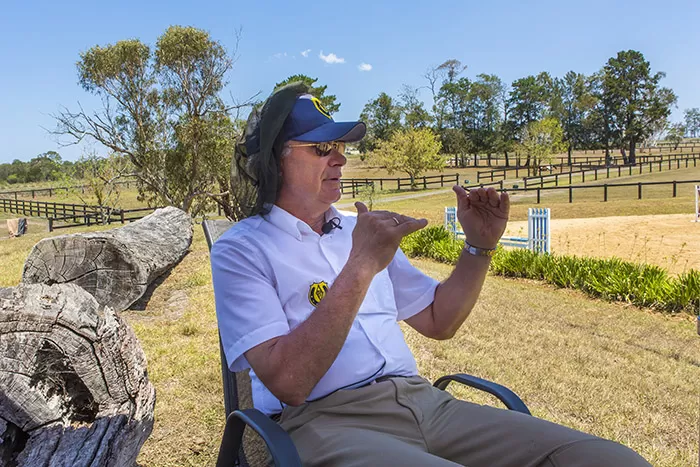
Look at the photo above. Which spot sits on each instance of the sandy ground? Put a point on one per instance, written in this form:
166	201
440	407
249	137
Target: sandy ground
671	241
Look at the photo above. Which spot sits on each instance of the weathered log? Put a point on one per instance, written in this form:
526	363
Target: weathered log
73	384
115	266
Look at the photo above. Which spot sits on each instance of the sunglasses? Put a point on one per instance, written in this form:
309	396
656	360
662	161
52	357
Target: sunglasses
323	149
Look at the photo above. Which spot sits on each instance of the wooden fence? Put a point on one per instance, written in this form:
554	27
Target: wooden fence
105	216
605	188
50	192
72	214
589	163
355	185
541	180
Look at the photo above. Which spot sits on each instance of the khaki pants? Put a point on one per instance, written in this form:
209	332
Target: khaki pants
408	422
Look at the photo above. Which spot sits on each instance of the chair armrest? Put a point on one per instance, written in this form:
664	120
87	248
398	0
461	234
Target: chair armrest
278	442
505	395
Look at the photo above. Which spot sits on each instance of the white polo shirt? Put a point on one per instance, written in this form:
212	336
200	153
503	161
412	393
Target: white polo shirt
269	273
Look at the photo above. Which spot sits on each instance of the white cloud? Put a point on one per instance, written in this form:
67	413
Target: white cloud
279	55
364	67
305	53
331	58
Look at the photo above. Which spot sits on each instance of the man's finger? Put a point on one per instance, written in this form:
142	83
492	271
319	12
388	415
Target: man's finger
474	196
411	226
461	192
361	208
505	203
493	197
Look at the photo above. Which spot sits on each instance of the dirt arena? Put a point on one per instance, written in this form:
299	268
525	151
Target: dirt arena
670	241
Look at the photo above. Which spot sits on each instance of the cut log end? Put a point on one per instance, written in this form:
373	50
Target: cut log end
115	266
73	383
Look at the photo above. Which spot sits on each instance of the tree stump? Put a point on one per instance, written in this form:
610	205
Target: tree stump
115	266
73	384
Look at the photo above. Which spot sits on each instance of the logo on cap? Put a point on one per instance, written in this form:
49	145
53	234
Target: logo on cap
320	107
317	291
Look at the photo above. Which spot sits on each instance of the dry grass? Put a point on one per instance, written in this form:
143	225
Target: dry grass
611	370
665	240
615	371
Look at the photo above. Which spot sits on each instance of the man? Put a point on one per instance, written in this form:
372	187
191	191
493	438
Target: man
310	297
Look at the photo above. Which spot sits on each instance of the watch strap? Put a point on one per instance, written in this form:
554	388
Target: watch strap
476	251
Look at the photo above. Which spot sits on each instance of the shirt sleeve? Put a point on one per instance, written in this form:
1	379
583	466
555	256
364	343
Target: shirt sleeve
413	290
247	305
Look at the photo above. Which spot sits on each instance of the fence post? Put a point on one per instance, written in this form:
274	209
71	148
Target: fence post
398	184
674	188
381	184
571	194
639	190
425	187
583	177
33	195
442	181
570	178
605	192
538	196
50	224
457	175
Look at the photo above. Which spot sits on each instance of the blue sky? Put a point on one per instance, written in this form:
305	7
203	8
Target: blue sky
40	42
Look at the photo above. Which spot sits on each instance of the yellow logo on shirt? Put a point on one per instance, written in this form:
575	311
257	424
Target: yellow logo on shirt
317	291
320	107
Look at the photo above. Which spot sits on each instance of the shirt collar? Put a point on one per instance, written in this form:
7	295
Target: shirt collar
293	226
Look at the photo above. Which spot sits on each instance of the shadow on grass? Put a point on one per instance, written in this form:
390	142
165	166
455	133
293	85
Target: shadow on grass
142	303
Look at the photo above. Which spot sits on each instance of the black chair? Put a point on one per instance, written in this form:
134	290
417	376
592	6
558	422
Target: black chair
243	448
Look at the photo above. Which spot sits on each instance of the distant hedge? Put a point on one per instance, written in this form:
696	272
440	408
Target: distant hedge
642	285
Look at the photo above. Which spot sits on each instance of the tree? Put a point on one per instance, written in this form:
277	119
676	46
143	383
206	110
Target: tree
328	101
692	122
412	150
444	74
675	134
570	104
600	123
637	103
100	175
163	111
383	118
455	143
483	113
529	99
541	140
414	113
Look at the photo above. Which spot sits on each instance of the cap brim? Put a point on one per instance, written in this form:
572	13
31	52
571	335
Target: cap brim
349	132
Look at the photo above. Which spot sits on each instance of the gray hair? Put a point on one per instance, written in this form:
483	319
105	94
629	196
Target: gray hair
256	168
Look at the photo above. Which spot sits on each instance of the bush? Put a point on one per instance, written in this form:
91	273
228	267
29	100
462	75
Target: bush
434	243
610	279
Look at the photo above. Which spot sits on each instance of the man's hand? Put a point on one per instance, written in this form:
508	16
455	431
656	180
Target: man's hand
483	214
377	236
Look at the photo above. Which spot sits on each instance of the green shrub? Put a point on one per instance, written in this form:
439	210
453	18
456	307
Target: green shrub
609	279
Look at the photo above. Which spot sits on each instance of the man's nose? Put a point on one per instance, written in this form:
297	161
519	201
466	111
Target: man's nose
337	158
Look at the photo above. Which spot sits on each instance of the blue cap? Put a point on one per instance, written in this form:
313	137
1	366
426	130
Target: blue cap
309	121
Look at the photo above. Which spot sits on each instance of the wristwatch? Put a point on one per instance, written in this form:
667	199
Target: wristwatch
476	251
